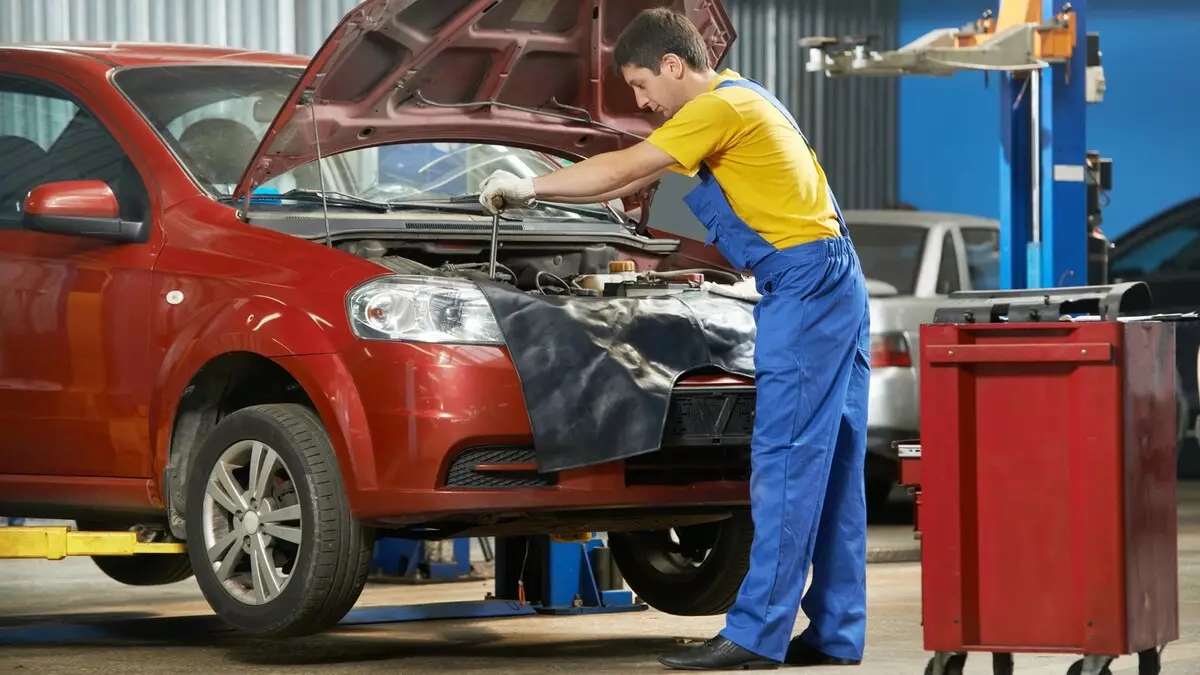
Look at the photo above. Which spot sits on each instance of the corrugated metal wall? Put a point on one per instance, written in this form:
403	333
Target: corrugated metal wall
294	26
851	122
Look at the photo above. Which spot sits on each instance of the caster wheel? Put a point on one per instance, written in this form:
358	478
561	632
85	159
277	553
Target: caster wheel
955	665
1077	669
1149	662
1002	664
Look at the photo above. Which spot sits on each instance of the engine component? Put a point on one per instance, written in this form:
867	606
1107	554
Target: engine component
564	265
402	265
365	248
644	289
627	269
597	282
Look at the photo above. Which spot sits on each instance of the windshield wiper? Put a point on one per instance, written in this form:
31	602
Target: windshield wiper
316	197
341	199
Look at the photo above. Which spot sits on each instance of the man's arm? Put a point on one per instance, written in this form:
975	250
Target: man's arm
615	194
610	172
701	128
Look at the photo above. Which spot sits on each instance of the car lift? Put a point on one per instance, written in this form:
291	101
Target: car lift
415	561
1046	215
56	543
534	575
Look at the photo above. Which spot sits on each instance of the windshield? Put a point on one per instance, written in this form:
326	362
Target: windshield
891	253
214	116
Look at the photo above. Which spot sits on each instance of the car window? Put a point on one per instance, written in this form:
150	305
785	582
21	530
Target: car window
47	136
949	279
1173	250
891	253
982	247
214	117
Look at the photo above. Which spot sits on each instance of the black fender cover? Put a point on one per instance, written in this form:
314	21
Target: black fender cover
597	373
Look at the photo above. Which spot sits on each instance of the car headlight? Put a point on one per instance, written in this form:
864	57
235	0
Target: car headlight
423	309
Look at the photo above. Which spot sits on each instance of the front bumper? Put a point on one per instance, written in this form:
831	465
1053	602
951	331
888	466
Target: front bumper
429	432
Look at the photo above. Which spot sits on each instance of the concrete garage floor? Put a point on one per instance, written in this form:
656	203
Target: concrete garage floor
65	617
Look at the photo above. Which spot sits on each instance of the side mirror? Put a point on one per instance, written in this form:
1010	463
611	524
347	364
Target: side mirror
80	208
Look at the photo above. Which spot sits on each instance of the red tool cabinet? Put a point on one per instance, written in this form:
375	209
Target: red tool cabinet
1045	478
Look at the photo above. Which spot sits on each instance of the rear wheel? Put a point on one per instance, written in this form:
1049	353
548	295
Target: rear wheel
274	546
694	570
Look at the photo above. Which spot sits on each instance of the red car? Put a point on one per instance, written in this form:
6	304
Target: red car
247	301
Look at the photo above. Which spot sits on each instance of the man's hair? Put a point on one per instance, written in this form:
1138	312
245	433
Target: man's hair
653	34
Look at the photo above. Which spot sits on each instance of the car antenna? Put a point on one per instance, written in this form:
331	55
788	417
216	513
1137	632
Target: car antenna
307	98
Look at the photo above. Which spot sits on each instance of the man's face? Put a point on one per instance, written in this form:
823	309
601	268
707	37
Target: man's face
662	93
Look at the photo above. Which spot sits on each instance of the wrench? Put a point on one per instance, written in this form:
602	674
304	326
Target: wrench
498	203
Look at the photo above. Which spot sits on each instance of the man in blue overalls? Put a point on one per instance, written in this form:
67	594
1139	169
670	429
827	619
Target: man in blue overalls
768	208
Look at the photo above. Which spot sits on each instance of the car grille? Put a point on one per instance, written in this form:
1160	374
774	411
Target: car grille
710	417
497	468
707	438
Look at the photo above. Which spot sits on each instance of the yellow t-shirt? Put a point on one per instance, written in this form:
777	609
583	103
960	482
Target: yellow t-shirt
769	175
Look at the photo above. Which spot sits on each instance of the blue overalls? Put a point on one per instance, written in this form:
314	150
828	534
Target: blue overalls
812	368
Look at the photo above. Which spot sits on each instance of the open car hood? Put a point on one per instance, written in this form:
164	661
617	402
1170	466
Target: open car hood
532	73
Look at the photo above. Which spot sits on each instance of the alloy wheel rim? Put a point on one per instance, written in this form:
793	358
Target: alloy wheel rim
252	522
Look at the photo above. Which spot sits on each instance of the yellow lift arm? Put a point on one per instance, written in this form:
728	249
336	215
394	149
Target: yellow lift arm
56	543
1018	40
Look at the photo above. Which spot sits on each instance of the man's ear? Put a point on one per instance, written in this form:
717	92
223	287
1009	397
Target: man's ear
672	65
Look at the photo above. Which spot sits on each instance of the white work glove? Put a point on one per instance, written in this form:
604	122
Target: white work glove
517	192
742	290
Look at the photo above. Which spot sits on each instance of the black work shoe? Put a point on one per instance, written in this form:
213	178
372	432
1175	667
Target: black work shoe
716	654
799	653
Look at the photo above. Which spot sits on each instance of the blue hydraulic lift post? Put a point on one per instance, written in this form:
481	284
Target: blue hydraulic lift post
1050	250
1064	164
1016	179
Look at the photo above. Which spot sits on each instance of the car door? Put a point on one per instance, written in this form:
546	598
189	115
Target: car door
74	311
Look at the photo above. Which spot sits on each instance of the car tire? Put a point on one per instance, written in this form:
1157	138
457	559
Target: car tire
296	518
660	572
149	569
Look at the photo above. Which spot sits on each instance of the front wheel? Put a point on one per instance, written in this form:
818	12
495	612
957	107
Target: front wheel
694	570
274	547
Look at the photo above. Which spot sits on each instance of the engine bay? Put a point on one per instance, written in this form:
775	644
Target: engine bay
593	270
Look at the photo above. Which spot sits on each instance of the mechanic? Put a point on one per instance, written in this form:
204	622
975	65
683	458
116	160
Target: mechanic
766	204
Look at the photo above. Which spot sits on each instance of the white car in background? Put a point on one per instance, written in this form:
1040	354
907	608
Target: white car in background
912	260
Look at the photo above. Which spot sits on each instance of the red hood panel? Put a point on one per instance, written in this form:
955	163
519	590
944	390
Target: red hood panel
390	68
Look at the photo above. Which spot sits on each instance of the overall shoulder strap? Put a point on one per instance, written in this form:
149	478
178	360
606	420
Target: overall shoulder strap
757	88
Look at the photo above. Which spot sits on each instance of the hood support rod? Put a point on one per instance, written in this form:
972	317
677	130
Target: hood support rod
307	99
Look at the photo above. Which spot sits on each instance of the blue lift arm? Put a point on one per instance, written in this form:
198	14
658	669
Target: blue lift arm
1046	82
